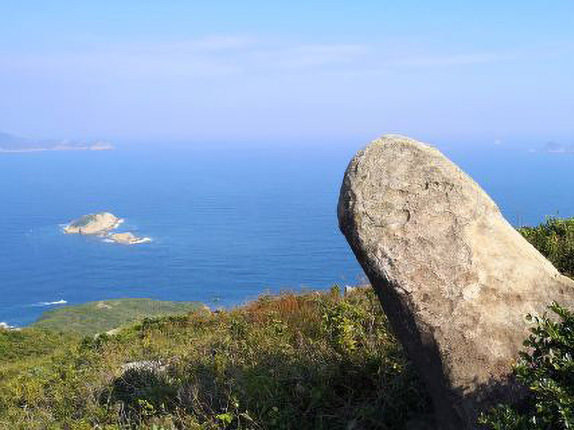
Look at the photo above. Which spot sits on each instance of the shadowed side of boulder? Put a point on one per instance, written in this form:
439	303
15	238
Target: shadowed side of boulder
454	278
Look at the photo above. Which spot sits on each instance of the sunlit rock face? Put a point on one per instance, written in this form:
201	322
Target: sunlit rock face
454	277
100	223
128	238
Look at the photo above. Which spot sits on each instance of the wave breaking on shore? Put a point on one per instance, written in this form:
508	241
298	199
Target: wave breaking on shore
57	302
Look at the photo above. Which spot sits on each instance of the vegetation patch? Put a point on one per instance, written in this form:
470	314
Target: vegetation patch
101	316
18	345
546	368
311	361
555	240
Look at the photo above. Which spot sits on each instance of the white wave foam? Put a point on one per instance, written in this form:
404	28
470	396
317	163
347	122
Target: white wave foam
140	240
6	326
143	240
57	302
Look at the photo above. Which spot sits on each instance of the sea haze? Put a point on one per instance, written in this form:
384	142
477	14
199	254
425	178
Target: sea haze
227	224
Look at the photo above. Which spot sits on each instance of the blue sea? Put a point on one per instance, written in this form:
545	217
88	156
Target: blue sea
227	223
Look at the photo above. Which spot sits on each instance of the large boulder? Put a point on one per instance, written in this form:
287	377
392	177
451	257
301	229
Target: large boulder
454	277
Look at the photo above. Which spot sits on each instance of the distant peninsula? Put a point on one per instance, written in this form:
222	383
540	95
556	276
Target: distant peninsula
104	315
11	143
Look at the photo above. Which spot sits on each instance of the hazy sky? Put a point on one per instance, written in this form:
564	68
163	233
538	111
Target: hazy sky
299	70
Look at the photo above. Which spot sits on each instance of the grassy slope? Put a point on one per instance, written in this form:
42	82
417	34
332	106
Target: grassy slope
19	345
312	361
102	316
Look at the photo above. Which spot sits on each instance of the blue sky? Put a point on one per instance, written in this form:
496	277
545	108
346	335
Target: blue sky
301	71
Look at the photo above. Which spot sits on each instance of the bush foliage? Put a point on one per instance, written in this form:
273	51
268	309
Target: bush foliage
547	370
555	240
310	361
546	367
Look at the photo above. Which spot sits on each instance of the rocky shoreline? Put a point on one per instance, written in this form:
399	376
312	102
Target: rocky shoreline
128	238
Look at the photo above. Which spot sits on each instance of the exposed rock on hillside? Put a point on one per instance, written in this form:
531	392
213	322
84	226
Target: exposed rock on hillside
454	277
100	223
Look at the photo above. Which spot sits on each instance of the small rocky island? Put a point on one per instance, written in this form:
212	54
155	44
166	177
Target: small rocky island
128	238
102	224
93	224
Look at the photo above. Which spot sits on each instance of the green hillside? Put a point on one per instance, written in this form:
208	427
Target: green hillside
312	361
102	316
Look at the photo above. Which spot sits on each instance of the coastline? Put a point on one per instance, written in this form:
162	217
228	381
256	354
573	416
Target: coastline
99	316
63	148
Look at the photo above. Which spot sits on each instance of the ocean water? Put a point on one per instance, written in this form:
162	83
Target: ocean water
227	224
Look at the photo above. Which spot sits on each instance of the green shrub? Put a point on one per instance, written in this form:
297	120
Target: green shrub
17	345
555	240
547	370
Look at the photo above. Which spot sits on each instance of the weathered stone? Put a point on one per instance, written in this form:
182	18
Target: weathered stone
454	277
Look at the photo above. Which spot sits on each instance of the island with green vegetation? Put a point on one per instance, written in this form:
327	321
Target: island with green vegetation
93	224
102	224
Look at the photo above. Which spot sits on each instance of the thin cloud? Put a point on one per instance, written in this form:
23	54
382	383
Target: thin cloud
204	57
223	43
225	55
447	60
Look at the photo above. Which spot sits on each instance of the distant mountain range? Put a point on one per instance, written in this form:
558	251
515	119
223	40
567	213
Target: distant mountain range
10	143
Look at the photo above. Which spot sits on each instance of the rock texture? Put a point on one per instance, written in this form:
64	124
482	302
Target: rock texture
100	223
453	276
128	238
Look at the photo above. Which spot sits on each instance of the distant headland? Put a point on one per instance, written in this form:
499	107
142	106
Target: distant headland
10	143
104	315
